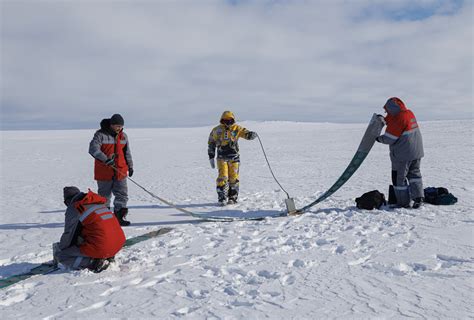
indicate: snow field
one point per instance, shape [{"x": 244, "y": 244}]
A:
[{"x": 334, "y": 262}]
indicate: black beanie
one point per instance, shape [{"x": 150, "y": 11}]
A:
[
  {"x": 69, "y": 193},
  {"x": 117, "y": 119}
]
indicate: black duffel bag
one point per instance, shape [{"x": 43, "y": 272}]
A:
[
  {"x": 371, "y": 200},
  {"x": 439, "y": 196}
]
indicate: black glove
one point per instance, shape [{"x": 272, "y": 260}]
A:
[
  {"x": 109, "y": 162},
  {"x": 251, "y": 135},
  {"x": 130, "y": 172}
]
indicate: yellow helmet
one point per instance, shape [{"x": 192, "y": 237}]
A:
[{"x": 227, "y": 116}]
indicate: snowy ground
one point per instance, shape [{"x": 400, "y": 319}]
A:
[{"x": 334, "y": 262}]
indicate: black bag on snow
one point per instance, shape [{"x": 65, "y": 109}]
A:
[
  {"x": 371, "y": 200},
  {"x": 439, "y": 196}
]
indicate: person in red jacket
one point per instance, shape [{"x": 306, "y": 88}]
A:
[
  {"x": 92, "y": 234},
  {"x": 403, "y": 135},
  {"x": 111, "y": 150}
]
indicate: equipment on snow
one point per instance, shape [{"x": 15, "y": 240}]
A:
[
  {"x": 439, "y": 196},
  {"x": 368, "y": 140},
  {"x": 371, "y": 200},
  {"x": 49, "y": 267},
  {"x": 195, "y": 215},
  {"x": 289, "y": 202}
]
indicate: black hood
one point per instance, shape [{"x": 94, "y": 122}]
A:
[
  {"x": 105, "y": 124},
  {"x": 77, "y": 197},
  {"x": 105, "y": 127}
]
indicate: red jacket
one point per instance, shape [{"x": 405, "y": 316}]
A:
[
  {"x": 105, "y": 144},
  {"x": 101, "y": 231}
]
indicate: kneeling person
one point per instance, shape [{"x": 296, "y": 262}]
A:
[{"x": 92, "y": 234}]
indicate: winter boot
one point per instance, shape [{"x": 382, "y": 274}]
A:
[
  {"x": 222, "y": 195},
  {"x": 121, "y": 215},
  {"x": 418, "y": 202},
  {"x": 233, "y": 193},
  {"x": 221, "y": 199},
  {"x": 403, "y": 196},
  {"x": 98, "y": 265}
]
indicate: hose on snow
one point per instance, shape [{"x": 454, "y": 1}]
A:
[{"x": 270, "y": 167}]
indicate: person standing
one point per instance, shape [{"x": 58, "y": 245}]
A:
[
  {"x": 225, "y": 138},
  {"x": 406, "y": 150},
  {"x": 110, "y": 148},
  {"x": 92, "y": 235}
]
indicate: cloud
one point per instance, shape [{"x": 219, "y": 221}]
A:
[{"x": 70, "y": 64}]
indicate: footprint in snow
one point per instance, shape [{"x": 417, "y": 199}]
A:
[
  {"x": 296, "y": 263},
  {"x": 450, "y": 261},
  {"x": 193, "y": 294},
  {"x": 184, "y": 311},
  {"x": 135, "y": 281},
  {"x": 148, "y": 284},
  {"x": 339, "y": 250},
  {"x": 268, "y": 275},
  {"x": 95, "y": 306},
  {"x": 231, "y": 291},
  {"x": 238, "y": 303},
  {"x": 322, "y": 242},
  {"x": 110, "y": 291},
  {"x": 407, "y": 244},
  {"x": 411, "y": 267},
  {"x": 14, "y": 299},
  {"x": 359, "y": 261},
  {"x": 288, "y": 280}
]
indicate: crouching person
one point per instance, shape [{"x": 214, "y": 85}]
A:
[
  {"x": 92, "y": 234},
  {"x": 406, "y": 150}
]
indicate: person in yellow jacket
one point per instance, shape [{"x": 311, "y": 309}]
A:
[{"x": 225, "y": 138}]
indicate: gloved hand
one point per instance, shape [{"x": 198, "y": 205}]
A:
[
  {"x": 213, "y": 163},
  {"x": 130, "y": 172},
  {"x": 109, "y": 162},
  {"x": 381, "y": 118},
  {"x": 251, "y": 135}
]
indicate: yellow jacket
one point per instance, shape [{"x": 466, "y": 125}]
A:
[{"x": 225, "y": 140}]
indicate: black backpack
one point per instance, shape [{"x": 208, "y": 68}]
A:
[
  {"x": 371, "y": 200},
  {"x": 439, "y": 196}
]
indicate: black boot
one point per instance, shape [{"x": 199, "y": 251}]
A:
[
  {"x": 121, "y": 215},
  {"x": 221, "y": 198},
  {"x": 233, "y": 194},
  {"x": 98, "y": 265},
  {"x": 222, "y": 195},
  {"x": 417, "y": 203}
]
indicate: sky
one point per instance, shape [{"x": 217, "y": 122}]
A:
[{"x": 69, "y": 64}]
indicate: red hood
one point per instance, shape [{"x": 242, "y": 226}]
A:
[
  {"x": 92, "y": 198},
  {"x": 394, "y": 106}
]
